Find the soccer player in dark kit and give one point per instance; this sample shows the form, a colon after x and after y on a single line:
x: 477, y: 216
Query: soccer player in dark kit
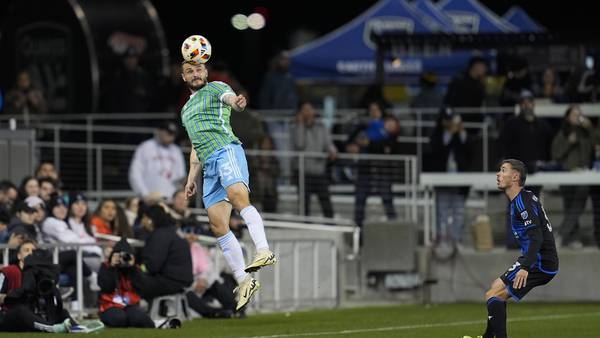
x: 538, y: 262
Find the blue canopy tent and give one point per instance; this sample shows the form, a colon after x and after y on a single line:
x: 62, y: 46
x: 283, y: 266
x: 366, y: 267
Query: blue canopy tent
x: 475, y: 18
x: 431, y: 10
x: 348, y: 54
x: 519, y: 18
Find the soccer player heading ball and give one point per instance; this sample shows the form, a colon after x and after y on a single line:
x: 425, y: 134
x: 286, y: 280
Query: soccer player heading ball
x: 538, y: 262
x: 226, y: 181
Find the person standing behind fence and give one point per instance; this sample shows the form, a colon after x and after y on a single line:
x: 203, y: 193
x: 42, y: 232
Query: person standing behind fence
x: 313, y: 137
x: 278, y: 90
x: 572, y: 148
x: 158, y: 164
x: 266, y: 169
x: 450, y: 153
x: 468, y: 89
x: 376, y: 136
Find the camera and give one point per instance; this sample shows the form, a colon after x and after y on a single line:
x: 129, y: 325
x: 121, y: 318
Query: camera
x: 125, y: 259
x: 45, y: 286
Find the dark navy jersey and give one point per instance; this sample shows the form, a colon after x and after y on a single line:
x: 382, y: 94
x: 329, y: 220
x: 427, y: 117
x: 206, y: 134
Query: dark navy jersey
x: 533, y: 231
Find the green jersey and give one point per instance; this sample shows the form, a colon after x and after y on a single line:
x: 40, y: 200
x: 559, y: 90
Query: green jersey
x: 206, y: 119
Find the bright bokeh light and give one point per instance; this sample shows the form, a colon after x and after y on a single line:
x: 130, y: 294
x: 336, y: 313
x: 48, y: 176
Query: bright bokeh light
x: 396, y: 63
x: 256, y: 21
x: 239, y: 22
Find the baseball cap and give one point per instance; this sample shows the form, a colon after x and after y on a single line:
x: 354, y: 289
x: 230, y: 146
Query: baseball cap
x: 525, y: 95
x: 56, y: 200
x: 34, y: 201
x: 24, y: 207
x: 168, y: 126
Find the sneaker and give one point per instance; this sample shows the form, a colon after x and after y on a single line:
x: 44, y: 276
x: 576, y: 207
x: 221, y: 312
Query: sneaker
x: 262, y: 258
x: 245, y: 291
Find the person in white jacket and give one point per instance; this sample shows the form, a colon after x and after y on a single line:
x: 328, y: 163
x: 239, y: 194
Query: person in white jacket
x: 58, y: 230
x: 158, y: 165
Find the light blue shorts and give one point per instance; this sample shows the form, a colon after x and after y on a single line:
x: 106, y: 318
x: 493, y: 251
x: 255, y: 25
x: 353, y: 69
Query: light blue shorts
x: 223, y: 168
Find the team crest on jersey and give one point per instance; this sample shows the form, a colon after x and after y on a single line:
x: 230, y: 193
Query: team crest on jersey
x: 524, y: 214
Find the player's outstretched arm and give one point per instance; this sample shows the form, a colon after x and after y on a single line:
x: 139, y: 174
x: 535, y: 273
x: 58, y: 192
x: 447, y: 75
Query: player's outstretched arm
x: 195, y: 166
x: 238, y: 103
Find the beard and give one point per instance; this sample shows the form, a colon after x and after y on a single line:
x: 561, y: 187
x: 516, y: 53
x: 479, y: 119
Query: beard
x: 197, y: 84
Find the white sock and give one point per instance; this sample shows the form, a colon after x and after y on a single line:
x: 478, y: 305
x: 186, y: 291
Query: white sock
x: 233, y: 255
x: 255, y: 227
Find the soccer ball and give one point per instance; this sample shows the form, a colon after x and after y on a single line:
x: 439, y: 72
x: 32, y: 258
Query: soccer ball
x: 196, y: 48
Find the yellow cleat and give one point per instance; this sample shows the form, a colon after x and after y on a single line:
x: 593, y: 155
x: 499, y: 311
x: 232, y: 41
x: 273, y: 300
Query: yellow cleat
x: 262, y: 258
x: 245, y: 291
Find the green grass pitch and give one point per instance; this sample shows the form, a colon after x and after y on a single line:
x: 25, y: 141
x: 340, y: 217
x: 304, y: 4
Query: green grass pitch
x: 547, y: 320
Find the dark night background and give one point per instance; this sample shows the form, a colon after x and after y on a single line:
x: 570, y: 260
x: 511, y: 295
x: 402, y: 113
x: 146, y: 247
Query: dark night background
x: 247, y: 52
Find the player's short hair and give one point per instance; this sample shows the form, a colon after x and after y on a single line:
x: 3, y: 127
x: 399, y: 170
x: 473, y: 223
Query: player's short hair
x: 27, y: 241
x: 520, y: 167
x: 190, y: 62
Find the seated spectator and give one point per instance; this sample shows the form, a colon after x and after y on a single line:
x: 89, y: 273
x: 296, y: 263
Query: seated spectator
x: 23, y: 221
x: 57, y: 230
x: 46, y: 169
x: 48, y: 186
x: 166, y: 259
x: 27, y: 308
x: 8, y: 194
x: 572, y: 149
x: 4, y: 221
x: 39, y: 216
x: 210, y: 286
x: 25, y: 97
x: 184, y: 217
x: 110, y: 219
x: 30, y: 186
x: 158, y: 164
x: 79, y: 224
x: 131, y: 209
x: 118, y: 298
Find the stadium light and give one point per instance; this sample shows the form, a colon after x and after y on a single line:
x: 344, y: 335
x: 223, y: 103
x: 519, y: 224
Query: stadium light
x: 256, y: 21
x: 239, y: 22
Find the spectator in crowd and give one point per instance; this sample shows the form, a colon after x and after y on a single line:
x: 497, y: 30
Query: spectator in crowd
x: 582, y: 85
x: 549, y: 86
x: 25, y: 97
x: 119, y: 301
x: 265, y: 173
x: 30, y: 186
x: 450, y: 152
x: 166, y: 256
x: 57, y: 230
x: 572, y: 149
x: 79, y: 225
x: 4, y: 221
x: 47, y: 188
x: 312, y: 136
x: 518, y: 79
x: 8, y: 194
x: 376, y: 136
x: 27, y: 308
x: 183, y: 216
x: 40, y: 214
x: 158, y: 164
x: 429, y: 95
x: 23, y: 221
x: 525, y: 136
x: 468, y: 89
x: 278, y: 90
x: 131, y: 88
x: 110, y: 219
x: 210, y: 286
x: 595, y: 189
x: 247, y: 126
x: 46, y: 169
x: 131, y: 209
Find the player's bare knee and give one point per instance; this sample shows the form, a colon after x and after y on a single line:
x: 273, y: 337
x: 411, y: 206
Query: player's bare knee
x: 238, y: 196
x: 219, y: 230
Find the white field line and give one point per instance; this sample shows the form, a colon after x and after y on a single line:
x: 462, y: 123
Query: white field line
x: 426, y: 326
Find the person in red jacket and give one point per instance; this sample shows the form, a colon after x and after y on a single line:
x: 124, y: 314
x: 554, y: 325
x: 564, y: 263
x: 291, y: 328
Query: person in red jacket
x: 118, y: 299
